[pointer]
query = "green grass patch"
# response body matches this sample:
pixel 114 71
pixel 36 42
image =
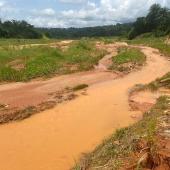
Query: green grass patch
pixel 111 153
pixel 154 42
pixel 127 59
pixel 43 61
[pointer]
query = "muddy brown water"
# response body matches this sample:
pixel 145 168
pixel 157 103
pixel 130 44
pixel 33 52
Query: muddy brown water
pixel 54 139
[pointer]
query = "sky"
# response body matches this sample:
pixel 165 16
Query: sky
pixel 75 13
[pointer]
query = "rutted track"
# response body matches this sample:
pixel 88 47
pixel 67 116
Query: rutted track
pixel 21 95
pixel 53 139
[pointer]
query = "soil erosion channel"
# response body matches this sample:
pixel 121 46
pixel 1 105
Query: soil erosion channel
pixel 54 139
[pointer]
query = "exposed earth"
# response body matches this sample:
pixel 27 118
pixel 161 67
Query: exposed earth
pixel 55 138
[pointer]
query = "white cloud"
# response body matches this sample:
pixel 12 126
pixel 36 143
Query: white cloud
pixel 44 12
pixel 48 11
pixel 2 4
pixel 72 1
pixel 7 11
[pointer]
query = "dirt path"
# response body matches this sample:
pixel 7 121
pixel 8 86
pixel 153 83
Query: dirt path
pixel 53 139
pixel 106 61
pixel 33 93
pixel 61 44
pixel 21 95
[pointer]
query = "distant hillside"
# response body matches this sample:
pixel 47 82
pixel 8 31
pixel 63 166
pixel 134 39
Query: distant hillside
pixel 110 30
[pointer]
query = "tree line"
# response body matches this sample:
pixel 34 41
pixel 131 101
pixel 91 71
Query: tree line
pixel 18 29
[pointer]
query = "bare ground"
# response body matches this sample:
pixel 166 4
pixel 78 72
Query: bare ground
pixel 144 100
pixel 18 98
pixel 144 157
pixel 72 127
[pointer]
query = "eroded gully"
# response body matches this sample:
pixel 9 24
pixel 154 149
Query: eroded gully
pixel 54 139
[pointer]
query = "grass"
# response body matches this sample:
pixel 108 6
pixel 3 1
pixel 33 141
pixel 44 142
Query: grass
pixel 113 151
pixel 109 39
pixel 45 61
pixel 127 59
pixel 154 42
pixel 80 87
pixel 160 82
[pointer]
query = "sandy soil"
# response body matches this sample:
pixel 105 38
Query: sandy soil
pixel 62 44
pixel 54 139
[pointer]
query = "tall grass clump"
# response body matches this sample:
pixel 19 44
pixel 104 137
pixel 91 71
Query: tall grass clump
pixel 127 59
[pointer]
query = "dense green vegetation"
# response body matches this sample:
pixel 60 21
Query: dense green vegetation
pixel 28 63
pixel 157 21
pixel 112 153
pixel 128 59
pixel 69 33
pixel 18 29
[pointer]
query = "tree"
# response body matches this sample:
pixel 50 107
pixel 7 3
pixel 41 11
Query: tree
pixel 18 29
pixel 139 27
pixel 157 21
pixel 153 17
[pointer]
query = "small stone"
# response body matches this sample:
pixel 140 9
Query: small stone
pixel 116 142
pixel 6 106
pixel 133 116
